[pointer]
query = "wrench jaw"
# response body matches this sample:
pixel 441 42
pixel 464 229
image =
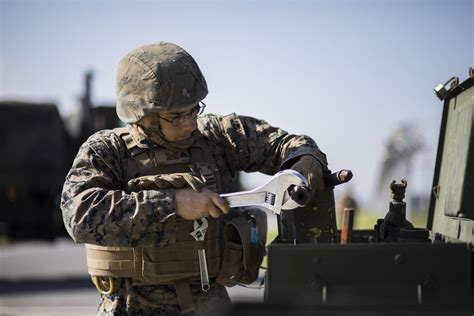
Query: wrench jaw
pixel 298 181
pixel 287 180
pixel 273 195
pixel 289 203
pixel 200 228
pixel 201 223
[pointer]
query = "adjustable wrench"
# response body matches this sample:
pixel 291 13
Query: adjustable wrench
pixel 199 232
pixel 275 195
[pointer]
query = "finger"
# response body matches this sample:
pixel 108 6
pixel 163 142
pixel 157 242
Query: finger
pixel 220 203
pixel 215 212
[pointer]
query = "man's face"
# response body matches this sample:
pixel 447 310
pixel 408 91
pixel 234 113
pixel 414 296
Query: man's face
pixel 175 125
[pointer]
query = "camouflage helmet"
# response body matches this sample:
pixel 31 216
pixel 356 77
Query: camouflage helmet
pixel 156 78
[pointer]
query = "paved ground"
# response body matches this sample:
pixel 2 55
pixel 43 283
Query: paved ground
pixel 50 278
pixel 79 301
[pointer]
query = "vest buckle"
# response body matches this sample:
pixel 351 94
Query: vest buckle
pixel 206 174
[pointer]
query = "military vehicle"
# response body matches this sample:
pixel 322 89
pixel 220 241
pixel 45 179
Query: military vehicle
pixel 395 268
pixel 33 155
pixel 36 152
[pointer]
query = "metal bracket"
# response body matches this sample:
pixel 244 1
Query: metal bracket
pixel 442 90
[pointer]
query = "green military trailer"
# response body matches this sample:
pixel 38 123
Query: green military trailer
pixel 32 166
pixel 36 151
pixel 395 268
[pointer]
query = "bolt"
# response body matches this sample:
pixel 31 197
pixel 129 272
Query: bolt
pixel 399 258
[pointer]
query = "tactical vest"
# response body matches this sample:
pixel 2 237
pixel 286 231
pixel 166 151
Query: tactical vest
pixel 240 242
pixel 177 261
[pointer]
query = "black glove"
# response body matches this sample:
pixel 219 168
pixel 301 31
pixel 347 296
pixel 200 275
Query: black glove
pixel 312 170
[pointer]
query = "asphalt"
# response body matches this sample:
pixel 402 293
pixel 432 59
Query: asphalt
pixel 50 278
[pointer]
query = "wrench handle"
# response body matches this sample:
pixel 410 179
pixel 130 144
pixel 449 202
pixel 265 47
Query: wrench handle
pixel 203 270
pixel 246 198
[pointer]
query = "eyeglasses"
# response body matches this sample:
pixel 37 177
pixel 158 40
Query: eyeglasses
pixel 180 119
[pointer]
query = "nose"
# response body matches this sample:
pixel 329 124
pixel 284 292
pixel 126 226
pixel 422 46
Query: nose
pixel 189 123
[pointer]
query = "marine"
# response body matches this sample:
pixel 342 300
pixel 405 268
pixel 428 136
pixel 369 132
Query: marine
pixel 134 194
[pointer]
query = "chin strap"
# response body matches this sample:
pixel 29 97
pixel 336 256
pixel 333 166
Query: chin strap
pixel 144 136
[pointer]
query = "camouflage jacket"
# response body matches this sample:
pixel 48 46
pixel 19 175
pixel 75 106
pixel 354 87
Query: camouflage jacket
pixel 98 210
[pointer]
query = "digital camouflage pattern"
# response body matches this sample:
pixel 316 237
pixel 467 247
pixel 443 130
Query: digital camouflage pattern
pixel 162 300
pixel 155 78
pixel 98 207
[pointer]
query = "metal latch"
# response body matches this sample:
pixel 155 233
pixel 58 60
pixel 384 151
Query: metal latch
pixel 442 90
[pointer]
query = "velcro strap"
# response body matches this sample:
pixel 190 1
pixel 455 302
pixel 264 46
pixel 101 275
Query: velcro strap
pixel 123 269
pixel 162 271
pixel 186 250
pixel 185 298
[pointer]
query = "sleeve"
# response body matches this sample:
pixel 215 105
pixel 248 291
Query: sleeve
pixel 95 208
pixel 254 145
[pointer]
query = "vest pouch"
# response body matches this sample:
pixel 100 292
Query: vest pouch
pixel 244 248
pixel 180 261
pixel 231 270
pixel 108 261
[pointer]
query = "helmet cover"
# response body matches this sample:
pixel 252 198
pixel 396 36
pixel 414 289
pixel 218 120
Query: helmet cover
pixel 156 78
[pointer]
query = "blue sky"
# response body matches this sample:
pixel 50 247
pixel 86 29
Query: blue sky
pixel 347 73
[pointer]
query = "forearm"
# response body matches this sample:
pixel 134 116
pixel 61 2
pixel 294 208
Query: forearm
pixel 296 146
pixel 115 218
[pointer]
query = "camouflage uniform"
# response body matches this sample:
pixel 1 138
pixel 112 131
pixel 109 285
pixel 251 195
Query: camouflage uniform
pixel 98 208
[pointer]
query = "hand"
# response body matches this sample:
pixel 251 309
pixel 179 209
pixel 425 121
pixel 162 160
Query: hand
pixel 192 205
pixel 312 170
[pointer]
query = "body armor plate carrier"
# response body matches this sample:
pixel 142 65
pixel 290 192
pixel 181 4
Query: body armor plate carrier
pixel 239 240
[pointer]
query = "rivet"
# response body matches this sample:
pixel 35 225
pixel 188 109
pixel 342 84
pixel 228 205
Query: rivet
pixel 399 258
